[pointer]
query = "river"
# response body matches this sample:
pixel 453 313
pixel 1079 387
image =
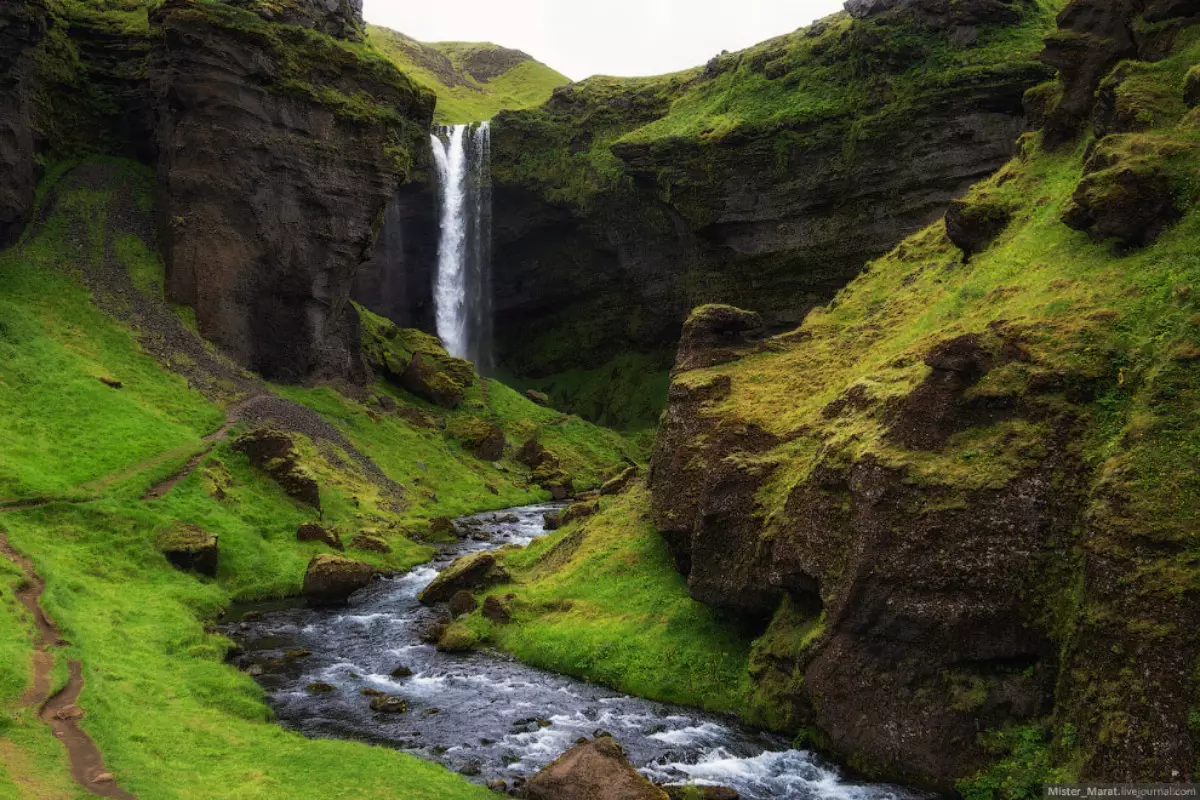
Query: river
pixel 488 716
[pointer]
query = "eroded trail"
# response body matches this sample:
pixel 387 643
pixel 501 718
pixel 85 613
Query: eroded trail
pixel 59 711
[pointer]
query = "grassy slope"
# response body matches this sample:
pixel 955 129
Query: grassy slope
pixel 600 599
pixel 172 719
pixel 526 85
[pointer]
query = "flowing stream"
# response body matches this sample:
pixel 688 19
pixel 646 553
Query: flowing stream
pixel 486 715
pixel 463 288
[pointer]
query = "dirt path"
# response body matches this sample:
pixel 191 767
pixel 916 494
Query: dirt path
pixel 59 711
pixel 167 484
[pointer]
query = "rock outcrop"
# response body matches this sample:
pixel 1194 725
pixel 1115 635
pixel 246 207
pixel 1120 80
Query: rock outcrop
pixel 469 573
pixel 330 579
pixel 190 548
pixel 278 151
pixel 22 26
pixel 274 452
pixel 595 770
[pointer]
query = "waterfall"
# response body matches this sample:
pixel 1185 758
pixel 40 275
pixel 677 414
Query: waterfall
pixel 463 286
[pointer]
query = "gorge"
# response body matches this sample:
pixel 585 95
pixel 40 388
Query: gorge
pixel 822 421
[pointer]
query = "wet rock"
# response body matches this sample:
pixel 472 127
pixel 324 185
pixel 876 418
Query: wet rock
pixel 372 693
pixel 462 603
pixel 294 655
pixel 578 511
pixel 471 769
pixel 508 519
pixel 498 785
pixel 190 548
pixel 433 632
pixel 496 609
pixel 320 687
pixel 457 638
pixel 330 579
pixel 370 543
pixel 597 770
pixel 275 453
pixel 442 527
pixel 620 483
pixel 552 520
pixel 312 532
pixel 442 380
pixel 388 704
pixel 974 224
pixel 474 573
pixel 717 334
pixel 541 398
pixel 402 671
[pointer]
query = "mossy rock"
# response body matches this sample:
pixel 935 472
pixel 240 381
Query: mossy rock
pixel 975 223
pixel 189 547
pixel 370 542
pixel 457 638
pixel 389 349
pixel 471 573
pixel 441 380
pixel 312 532
pixel 330 579
pixel 620 483
pixel 484 439
pixel 1191 87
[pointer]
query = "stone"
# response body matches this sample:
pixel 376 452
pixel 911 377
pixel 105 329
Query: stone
pixel 541 398
pixel 717 334
pixel 596 770
pixel 1131 201
pixel 470 573
pixel 330 579
pixel 320 687
pixel 552 520
pixel 578 511
pixel 312 532
pixel 457 639
pixel 371 543
pixel 1191 87
pixel 496 609
pixel 620 483
pixel 387 704
pixel 484 439
pixel 974 224
pixel 442 527
pixel 190 548
pixel 274 452
pixel 462 603
pixel 441 380
pixel 402 671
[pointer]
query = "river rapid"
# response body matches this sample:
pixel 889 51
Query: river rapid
pixel 488 716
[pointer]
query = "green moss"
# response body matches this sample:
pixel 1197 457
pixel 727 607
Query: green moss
pixel 1024 766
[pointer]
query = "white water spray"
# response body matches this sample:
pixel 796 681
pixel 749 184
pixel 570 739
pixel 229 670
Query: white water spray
pixel 463 288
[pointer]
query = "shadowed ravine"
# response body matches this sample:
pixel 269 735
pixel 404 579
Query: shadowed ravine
pixel 485 715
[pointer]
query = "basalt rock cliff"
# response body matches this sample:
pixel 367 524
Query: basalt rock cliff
pixel 961 498
pixel 765 179
pixel 278 137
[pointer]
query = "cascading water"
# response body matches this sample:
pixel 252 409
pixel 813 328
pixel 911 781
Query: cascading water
pixel 463 287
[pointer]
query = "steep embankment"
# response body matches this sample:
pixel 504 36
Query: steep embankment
pixel 473 81
pixel 766 178
pixel 960 501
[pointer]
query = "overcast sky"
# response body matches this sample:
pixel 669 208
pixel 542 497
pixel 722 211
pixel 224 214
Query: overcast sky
pixel 617 37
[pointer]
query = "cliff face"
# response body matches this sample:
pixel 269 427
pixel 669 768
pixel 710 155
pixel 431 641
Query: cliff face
pixel 961 498
pixel 278 150
pixel 22 27
pixel 766 179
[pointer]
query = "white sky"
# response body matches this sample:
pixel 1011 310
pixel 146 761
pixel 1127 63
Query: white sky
pixel 616 37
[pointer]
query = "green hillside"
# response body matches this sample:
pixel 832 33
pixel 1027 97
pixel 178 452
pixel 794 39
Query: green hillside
pixel 473 81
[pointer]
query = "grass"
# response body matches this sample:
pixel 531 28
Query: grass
pixel 461 97
pixel 601 600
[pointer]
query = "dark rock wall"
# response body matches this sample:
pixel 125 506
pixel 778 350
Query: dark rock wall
pixel 397 282
pixel 273 193
pixel 22 27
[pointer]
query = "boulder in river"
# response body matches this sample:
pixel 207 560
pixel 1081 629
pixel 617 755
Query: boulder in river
pixel 463 603
pixel 330 579
pixel 189 548
pixel 596 770
pixel 387 704
pixel 473 573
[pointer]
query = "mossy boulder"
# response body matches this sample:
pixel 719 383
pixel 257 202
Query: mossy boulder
pixel 386 704
pixel 541 398
pixel 457 638
pixel 470 573
pixel 330 579
pixel 370 542
pixel 463 603
pixel 497 609
pixel 595 770
pixel 974 224
pixel 441 380
pixel 1131 202
pixel 190 548
pixel 275 453
pixel 312 532
pixel 389 349
pixel 484 439
pixel 1191 87
pixel 620 483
